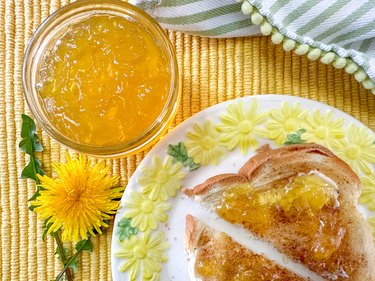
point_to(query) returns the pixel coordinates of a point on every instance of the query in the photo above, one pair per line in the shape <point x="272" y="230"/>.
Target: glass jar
<point x="46" y="36"/>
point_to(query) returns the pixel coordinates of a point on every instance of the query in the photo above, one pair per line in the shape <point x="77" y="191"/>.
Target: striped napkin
<point x="338" y="32"/>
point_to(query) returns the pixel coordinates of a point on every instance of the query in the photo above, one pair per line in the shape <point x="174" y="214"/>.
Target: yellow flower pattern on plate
<point x="143" y="254"/>
<point x="80" y="200"/>
<point x="144" y="212"/>
<point x="161" y="180"/>
<point x="358" y="150"/>
<point x="240" y="127"/>
<point x="323" y="129"/>
<point x="154" y="277"/>
<point x="368" y="191"/>
<point x="284" y="121"/>
<point x="204" y="144"/>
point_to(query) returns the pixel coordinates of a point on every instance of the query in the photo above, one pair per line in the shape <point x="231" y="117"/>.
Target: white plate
<point x="176" y="268"/>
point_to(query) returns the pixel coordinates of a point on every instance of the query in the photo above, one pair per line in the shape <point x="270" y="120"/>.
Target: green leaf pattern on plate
<point x="287" y="125"/>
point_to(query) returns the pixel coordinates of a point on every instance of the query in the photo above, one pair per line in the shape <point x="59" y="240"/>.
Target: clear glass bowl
<point x="53" y="28"/>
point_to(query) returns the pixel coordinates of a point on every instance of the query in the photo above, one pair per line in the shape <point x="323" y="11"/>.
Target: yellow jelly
<point x="304" y="204"/>
<point x="105" y="81"/>
<point x="216" y="261"/>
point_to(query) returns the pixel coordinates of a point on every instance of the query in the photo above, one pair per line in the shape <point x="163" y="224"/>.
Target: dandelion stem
<point x="60" y="249"/>
<point x="71" y="260"/>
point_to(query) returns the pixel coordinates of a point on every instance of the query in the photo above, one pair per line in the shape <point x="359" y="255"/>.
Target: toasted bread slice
<point x="334" y="241"/>
<point x="214" y="256"/>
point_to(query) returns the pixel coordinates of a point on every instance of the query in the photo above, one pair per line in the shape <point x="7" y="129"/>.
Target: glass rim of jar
<point x="60" y="20"/>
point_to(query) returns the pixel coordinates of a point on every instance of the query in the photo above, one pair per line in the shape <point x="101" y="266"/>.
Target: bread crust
<point x="191" y="232"/>
<point x="302" y="158"/>
<point x="210" y="183"/>
<point x="357" y="248"/>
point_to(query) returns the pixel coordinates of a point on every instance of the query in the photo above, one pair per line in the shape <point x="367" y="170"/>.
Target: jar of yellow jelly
<point x="101" y="77"/>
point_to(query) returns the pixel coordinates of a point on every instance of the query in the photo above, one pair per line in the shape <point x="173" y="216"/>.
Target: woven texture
<point x="212" y="71"/>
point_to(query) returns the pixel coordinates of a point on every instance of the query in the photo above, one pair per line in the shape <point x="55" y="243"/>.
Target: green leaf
<point x="32" y="207"/>
<point x="295" y="138"/>
<point x="28" y="126"/>
<point x="180" y="154"/>
<point x="32" y="169"/>
<point x="84" y="245"/>
<point x="73" y="260"/>
<point x="29" y="172"/>
<point x="25" y="145"/>
<point x="39" y="167"/>
<point x="30" y="144"/>
<point x="35" y="195"/>
<point x="191" y="164"/>
<point x="125" y="230"/>
<point x="28" y="133"/>
<point x="46" y="226"/>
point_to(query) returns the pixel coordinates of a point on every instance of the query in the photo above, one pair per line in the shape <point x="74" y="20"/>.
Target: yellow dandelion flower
<point x="368" y="191"/>
<point x="143" y="254"/>
<point x="204" y="144"/>
<point x="284" y="121"/>
<point x="161" y="180"/>
<point x="358" y="150"/>
<point x="323" y="129"/>
<point x="79" y="200"/>
<point x="144" y="212"/>
<point x="371" y="221"/>
<point x="240" y="127"/>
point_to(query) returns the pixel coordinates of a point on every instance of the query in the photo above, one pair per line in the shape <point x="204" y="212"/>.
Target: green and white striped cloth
<point x="341" y="32"/>
<point x="211" y="18"/>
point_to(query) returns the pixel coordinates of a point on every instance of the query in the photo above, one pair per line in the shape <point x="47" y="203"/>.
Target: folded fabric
<point x="338" y="32"/>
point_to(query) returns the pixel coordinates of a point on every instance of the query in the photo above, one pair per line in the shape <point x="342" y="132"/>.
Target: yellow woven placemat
<point x="212" y="71"/>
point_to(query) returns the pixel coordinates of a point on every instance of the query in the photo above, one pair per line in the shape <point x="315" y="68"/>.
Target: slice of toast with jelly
<point x="301" y="199"/>
<point x="214" y="256"/>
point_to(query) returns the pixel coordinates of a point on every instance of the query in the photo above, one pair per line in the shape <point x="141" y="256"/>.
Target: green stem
<point x="60" y="249"/>
<point x="70" y="261"/>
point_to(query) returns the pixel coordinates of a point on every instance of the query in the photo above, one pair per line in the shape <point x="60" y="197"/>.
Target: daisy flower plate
<point x="148" y="236"/>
